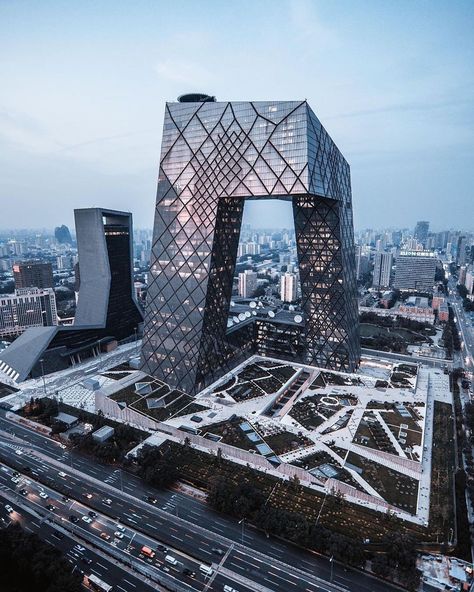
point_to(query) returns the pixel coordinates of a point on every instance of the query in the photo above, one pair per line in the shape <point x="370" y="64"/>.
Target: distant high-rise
<point x="382" y="270"/>
<point x="247" y="283"/>
<point x="214" y="156"/>
<point x="415" y="270"/>
<point x="62" y="235"/>
<point x="33" y="274"/>
<point x="288" y="287"/>
<point x="461" y="255"/>
<point x="421" y="231"/>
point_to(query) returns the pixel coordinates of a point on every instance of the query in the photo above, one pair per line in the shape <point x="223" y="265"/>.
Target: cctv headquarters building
<point x="214" y="156"/>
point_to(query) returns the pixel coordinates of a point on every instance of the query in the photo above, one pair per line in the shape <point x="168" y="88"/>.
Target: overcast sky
<point x="84" y="85"/>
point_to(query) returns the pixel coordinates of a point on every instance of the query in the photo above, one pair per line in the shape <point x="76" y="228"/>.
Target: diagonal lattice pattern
<point x="214" y="156"/>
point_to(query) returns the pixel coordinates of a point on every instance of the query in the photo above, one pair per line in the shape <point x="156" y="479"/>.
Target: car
<point x="105" y="536"/>
<point x="8" y="508"/>
<point x="51" y="508"/>
<point x="170" y="559"/>
<point x="86" y="560"/>
<point x="79" y="548"/>
<point x="86" y="519"/>
<point x="118" y="535"/>
<point x="62" y="474"/>
<point x="19" y="452"/>
<point x="65" y="498"/>
<point x="162" y="548"/>
<point x="107" y="502"/>
<point x="189" y="572"/>
<point x="23" y="492"/>
<point x="43" y="495"/>
<point x="63" y="446"/>
<point x="88" y="495"/>
<point x="150" y="499"/>
<point x="120" y="527"/>
<point x="92" y="514"/>
<point x="15" y="480"/>
<point x="165" y="568"/>
<point x="58" y="534"/>
<point x="217" y="551"/>
<point x="73" y="518"/>
<point x="27" y="469"/>
<point x="228" y="588"/>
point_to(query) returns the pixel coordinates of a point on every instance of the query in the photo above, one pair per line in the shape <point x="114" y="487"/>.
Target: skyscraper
<point x="247" y="283"/>
<point x="214" y="156"/>
<point x="288" y="287"/>
<point x="421" y="231"/>
<point x="461" y="251"/>
<point x="382" y="270"/>
<point x="33" y="274"/>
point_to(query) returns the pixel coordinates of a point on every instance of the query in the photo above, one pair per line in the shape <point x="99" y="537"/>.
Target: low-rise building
<point x="417" y="309"/>
<point x="103" y="434"/>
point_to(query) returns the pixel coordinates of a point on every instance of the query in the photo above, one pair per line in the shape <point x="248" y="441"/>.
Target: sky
<point x="84" y="86"/>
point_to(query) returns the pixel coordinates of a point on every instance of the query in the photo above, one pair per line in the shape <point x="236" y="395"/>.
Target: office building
<point x="417" y="308"/>
<point x="288" y="287"/>
<point x="107" y="311"/>
<point x="421" y="231"/>
<point x="247" y="283"/>
<point x="214" y="156"/>
<point x="27" y="307"/>
<point x="415" y="270"/>
<point x="382" y="270"/>
<point x="33" y="274"/>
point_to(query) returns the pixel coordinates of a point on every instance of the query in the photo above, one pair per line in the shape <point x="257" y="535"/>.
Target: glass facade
<point x="214" y="156"/>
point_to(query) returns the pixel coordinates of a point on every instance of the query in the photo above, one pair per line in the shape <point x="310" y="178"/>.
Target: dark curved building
<point x="214" y="156"/>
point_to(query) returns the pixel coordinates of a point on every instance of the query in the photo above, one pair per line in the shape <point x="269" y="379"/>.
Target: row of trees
<point x="29" y="564"/>
<point x="246" y="500"/>
<point x="113" y="450"/>
<point x="464" y="479"/>
<point x="468" y="304"/>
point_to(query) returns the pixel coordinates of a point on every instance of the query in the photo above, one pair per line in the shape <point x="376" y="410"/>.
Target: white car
<point x="118" y="535"/>
<point x="43" y="495"/>
<point x="9" y="509"/>
<point x="62" y="474"/>
<point x="19" y="452"/>
<point x="87" y="519"/>
<point x="107" y="502"/>
<point x="15" y="480"/>
<point x="121" y="528"/>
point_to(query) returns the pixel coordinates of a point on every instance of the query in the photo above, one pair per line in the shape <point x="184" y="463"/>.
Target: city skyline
<point x="87" y="134"/>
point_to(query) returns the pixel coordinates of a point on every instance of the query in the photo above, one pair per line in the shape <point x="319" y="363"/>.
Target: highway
<point x="183" y="524"/>
<point x="81" y="557"/>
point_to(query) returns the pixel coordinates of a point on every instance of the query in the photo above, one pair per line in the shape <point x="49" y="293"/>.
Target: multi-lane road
<point x="240" y="556"/>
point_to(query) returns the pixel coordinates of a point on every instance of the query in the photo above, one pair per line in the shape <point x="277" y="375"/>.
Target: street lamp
<point x="42" y="374"/>
<point x="136" y="339"/>
<point x="243" y="527"/>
